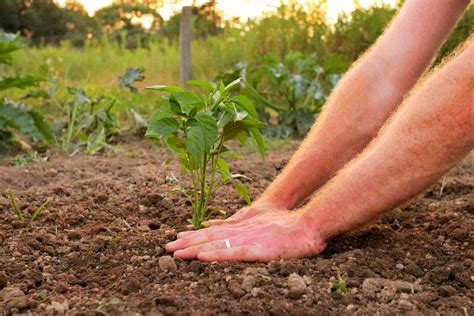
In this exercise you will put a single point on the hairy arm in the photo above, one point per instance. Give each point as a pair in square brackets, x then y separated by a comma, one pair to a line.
[431, 132]
[365, 98]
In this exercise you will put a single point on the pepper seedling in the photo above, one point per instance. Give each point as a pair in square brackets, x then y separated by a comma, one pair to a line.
[197, 126]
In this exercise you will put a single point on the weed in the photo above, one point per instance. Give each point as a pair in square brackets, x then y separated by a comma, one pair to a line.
[19, 213]
[340, 285]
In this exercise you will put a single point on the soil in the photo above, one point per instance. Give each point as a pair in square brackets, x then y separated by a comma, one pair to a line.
[97, 248]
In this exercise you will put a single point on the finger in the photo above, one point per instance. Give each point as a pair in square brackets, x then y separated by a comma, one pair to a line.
[213, 228]
[201, 237]
[249, 253]
[192, 252]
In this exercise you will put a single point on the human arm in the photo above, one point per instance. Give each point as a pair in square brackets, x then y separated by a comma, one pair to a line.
[365, 98]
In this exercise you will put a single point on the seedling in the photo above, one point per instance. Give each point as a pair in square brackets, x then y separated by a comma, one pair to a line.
[19, 213]
[340, 285]
[197, 127]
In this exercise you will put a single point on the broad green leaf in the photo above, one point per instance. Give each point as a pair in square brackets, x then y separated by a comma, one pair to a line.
[257, 136]
[21, 120]
[43, 127]
[188, 101]
[131, 76]
[161, 113]
[19, 82]
[200, 138]
[195, 143]
[242, 138]
[244, 103]
[175, 144]
[232, 129]
[243, 191]
[161, 127]
[224, 169]
[209, 85]
[209, 126]
[170, 89]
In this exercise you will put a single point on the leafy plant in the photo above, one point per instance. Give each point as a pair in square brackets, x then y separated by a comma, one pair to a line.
[17, 118]
[90, 122]
[24, 159]
[19, 213]
[131, 76]
[294, 89]
[198, 126]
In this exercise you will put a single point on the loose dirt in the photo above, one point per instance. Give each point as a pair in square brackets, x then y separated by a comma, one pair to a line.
[98, 247]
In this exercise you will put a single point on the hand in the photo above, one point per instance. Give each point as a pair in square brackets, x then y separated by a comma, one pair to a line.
[271, 236]
[256, 209]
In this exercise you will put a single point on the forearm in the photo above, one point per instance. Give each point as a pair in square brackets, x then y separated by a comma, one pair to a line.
[365, 98]
[431, 132]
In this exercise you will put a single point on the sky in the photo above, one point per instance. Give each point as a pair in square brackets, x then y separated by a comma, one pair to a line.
[244, 9]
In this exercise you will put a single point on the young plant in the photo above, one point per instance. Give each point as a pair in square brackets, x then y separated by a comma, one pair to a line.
[197, 127]
[19, 213]
[340, 285]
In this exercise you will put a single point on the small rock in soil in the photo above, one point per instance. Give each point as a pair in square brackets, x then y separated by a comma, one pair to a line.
[414, 270]
[446, 290]
[166, 301]
[460, 234]
[61, 287]
[35, 275]
[131, 285]
[11, 292]
[372, 285]
[296, 285]
[74, 235]
[167, 263]
[3, 279]
[235, 289]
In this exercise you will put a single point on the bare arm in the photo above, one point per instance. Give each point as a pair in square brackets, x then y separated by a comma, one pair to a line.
[429, 134]
[365, 98]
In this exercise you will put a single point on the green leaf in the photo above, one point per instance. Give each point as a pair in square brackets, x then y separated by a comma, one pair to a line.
[19, 82]
[233, 129]
[175, 144]
[209, 85]
[170, 89]
[21, 120]
[200, 138]
[243, 191]
[257, 136]
[224, 169]
[43, 127]
[244, 103]
[161, 127]
[188, 101]
[232, 84]
[131, 76]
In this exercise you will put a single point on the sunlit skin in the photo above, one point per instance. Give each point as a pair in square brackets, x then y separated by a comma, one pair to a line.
[379, 159]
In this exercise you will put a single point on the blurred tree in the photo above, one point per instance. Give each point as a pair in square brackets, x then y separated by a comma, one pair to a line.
[44, 20]
[124, 21]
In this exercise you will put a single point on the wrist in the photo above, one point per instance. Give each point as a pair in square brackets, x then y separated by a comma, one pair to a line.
[321, 224]
[276, 200]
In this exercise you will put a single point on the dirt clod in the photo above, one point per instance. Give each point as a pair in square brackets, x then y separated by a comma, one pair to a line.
[61, 287]
[131, 285]
[296, 285]
[3, 279]
[167, 263]
[9, 293]
[235, 289]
